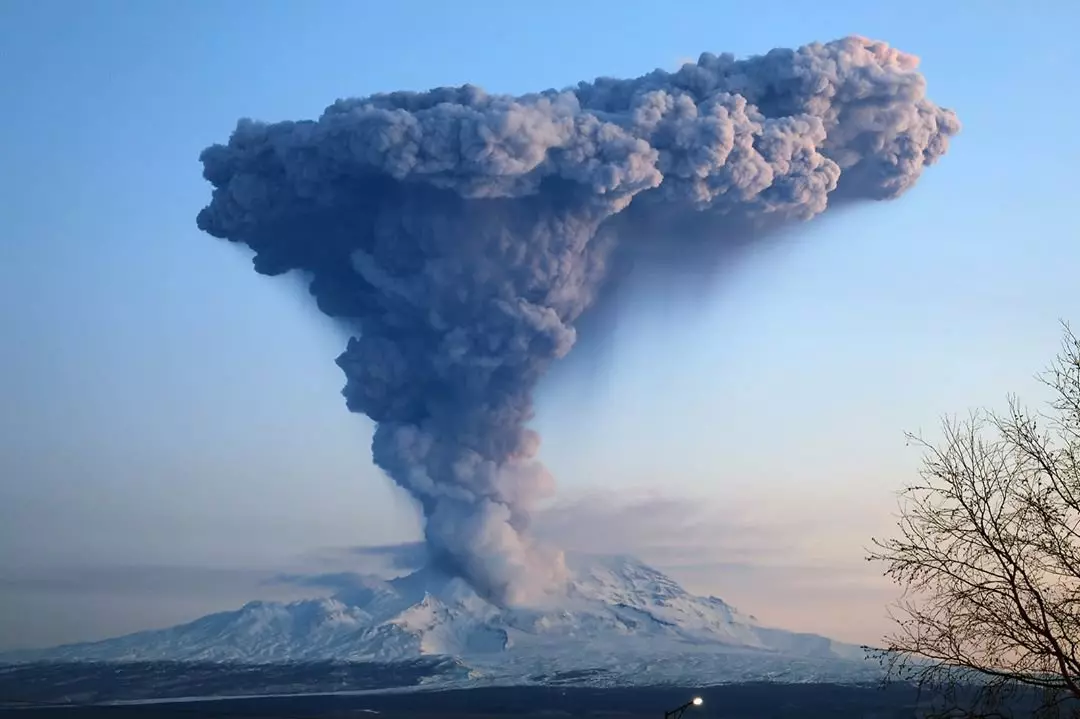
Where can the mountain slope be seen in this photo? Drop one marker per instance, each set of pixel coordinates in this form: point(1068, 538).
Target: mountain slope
point(620, 623)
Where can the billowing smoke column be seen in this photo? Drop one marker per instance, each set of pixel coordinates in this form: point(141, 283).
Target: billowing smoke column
point(460, 234)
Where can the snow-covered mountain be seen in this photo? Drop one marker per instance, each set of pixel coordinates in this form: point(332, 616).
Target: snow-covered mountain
point(621, 623)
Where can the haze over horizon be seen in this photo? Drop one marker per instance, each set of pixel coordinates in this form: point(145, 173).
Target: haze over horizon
point(144, 461)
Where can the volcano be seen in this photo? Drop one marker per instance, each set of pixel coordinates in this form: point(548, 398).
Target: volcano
point(621, 623)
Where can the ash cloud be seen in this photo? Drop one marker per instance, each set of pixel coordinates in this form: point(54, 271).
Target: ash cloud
point(460, 235)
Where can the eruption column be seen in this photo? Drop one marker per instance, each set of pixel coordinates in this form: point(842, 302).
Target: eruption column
point(459, 235)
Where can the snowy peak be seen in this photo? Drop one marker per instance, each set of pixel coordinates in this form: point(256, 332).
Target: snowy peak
point(622, 580)
point(448, 590)
point(616, 611)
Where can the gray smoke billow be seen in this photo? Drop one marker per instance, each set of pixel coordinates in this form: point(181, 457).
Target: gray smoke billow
point(459, 235)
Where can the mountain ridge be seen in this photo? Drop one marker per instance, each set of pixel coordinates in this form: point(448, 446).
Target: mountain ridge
point(620, 622)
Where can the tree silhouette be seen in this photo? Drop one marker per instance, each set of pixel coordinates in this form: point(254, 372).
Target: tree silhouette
point(988, 555)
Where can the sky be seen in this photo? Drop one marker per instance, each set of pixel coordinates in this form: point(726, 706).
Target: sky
point(171, 425)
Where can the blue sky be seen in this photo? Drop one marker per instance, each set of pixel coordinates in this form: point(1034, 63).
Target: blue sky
point(165, 407)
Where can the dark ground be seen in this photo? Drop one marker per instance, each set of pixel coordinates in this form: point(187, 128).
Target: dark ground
point(76, 691)
point(806, 701)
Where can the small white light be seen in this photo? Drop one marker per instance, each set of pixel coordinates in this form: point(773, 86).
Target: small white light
point(698, 701)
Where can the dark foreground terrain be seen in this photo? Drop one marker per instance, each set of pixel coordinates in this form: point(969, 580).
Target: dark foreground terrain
point(750, 701)
point(98, 682)
point(90, 691)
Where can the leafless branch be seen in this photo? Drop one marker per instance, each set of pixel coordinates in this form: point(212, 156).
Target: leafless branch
point(988, 553)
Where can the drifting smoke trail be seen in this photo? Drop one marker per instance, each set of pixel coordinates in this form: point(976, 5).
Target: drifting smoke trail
point(460, 234)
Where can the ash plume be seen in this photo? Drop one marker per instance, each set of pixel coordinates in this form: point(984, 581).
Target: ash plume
point(460, 234)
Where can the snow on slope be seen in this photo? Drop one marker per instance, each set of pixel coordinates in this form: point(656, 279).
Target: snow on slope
point(621, 623)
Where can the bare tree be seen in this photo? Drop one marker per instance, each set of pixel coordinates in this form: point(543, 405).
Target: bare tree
point(988, 555)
